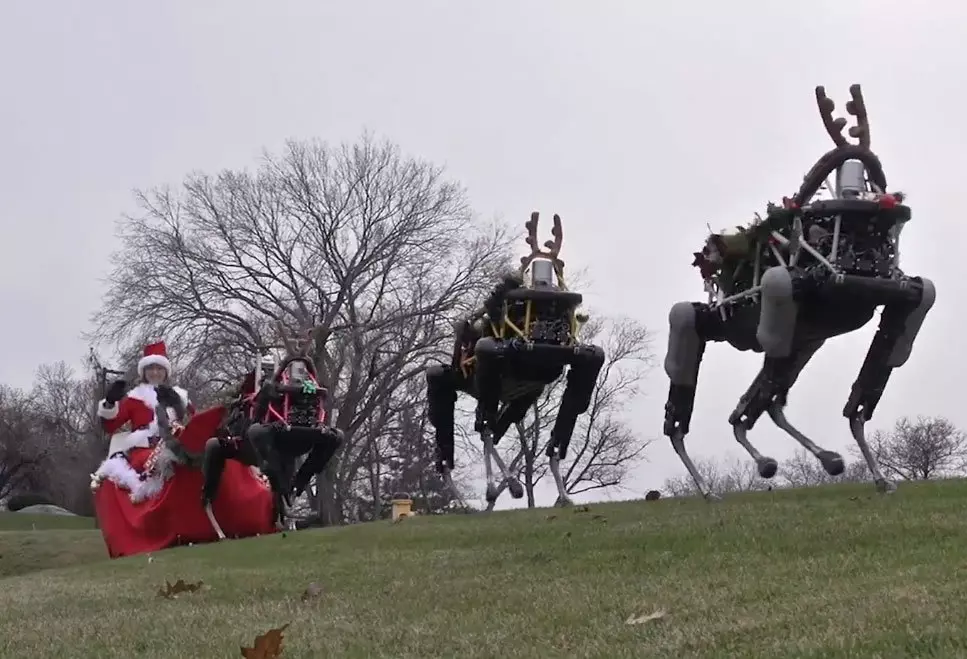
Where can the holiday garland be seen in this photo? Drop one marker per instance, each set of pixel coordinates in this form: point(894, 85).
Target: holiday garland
point(725, 252)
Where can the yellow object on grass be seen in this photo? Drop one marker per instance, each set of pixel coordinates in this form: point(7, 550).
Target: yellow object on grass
point(401, 508)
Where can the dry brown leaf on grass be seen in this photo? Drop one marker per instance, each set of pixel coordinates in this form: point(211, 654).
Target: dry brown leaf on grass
point(266, 646)
point(640, 620)
point(312, 591)
point(172, 590)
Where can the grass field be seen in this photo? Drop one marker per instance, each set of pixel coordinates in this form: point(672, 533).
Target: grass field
point(37, 542)
point(831, 572)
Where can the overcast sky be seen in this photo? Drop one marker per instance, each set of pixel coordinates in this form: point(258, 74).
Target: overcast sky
point(639, 122)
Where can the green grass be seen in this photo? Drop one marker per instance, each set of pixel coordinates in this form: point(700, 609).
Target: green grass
point(24, 522)
point(29, 543)
point(831, 572)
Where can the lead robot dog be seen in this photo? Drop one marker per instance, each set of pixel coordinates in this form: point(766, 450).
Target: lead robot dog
point(507, 353)
point(811, 270)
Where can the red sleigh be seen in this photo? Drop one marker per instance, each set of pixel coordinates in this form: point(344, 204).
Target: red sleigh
point(173, 514)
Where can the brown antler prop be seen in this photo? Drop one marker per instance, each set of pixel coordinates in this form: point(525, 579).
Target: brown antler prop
point(855, 107)
point(291, 341)
point(290, 347)
point(553, 246)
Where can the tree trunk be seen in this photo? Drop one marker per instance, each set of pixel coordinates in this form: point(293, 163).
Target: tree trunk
point(329, 513)
point(529, 478)
point(374, 481)
point(530, 458)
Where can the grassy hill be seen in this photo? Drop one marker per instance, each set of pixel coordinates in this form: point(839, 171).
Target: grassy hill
point(37, 542)
point(831, 572)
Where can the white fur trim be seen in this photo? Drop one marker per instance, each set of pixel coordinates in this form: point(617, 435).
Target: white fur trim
point(149, 488)
point(118, 471)
point(105, 412)
point(146, 394)
point(122, 442)
point(153, 360)
point(121, 473)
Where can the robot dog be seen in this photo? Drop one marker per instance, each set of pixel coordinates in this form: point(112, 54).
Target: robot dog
point(277, 417)
point(505, 355)
point(811, 270)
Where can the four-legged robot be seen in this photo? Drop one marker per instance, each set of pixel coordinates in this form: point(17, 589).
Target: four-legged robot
point(811, 270)
point(507, 353)
point(278, 417)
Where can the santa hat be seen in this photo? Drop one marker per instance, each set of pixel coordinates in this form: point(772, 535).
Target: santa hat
point(155, 354)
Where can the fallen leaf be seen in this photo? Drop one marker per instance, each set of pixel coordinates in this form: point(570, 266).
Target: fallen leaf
point(171, 591)
point(312, 591)
point(266, 646)
point(639, 620)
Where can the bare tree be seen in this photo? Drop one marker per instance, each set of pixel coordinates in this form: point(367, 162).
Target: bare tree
point(804, 470)
point(731, 475)
point(925, 448)
point(411, 459)
point(399, 457)
point(63, 407)
point(604, 446)
point(24, 452)
point(372, 251)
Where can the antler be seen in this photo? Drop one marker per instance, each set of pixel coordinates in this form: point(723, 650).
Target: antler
point(284, 336)
point(293, 344)
point(855, 107)
point(553, 246)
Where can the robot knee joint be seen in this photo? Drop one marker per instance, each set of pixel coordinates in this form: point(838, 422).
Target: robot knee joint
point(929, 295)
point(914, 321)
point(212, 446)
point(777, 282)
point(685, 342)
point(593, 357)
point(486, 347)
point(437, 373)
point(682, 317)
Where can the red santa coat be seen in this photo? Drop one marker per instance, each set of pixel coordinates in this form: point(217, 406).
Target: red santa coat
point(137, 408)
point(136, 411)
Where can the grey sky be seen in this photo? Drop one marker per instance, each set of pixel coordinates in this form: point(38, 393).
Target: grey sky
point(638, 122)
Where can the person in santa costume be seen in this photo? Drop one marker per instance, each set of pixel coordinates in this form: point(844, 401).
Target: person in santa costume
point(136, 411)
